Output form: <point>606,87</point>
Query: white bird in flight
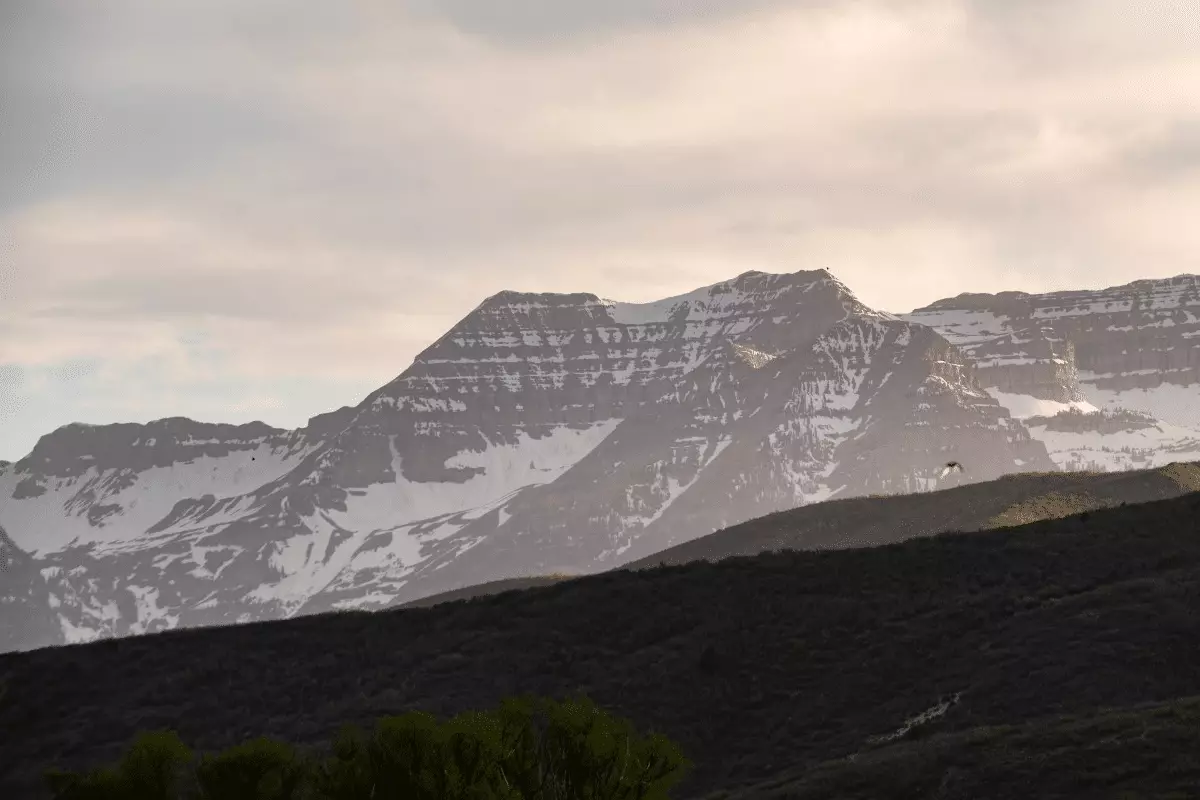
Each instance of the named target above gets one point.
<point>951,466</point>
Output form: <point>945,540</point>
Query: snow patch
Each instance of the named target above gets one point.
<point>506,468</point>
<point>1178,405</point>
<point>58,517</point>
<point>148,610</point>
<point>1022,406</point>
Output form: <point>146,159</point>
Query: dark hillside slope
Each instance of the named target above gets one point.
<point>1099,754</point>
<point>491,587</point>
<point>884,519</point>
<point>871,521</point>
<point>758,667</point>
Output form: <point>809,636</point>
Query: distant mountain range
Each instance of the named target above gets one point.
<point>567,433</point>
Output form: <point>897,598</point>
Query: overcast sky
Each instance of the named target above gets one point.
<point>263,209</point>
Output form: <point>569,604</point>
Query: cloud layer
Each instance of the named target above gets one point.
<point>231,210</point>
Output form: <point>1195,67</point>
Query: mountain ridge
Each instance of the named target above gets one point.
<point>554,432</point>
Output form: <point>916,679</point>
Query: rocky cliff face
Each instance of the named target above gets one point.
<point>542,433</point>
<point>1121,364</point>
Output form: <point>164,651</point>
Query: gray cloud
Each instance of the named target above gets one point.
<point>125,140</point>
<point>338,185</point>
<point>344,290</point>
<point>1172,155</point>
<point>540,21</point>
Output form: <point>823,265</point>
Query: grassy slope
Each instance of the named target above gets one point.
<point>759,667</point>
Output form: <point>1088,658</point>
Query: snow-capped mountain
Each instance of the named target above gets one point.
<point>542,433</point>
<point>1106,379</point>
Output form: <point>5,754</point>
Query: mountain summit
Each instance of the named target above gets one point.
<point>541,433</point>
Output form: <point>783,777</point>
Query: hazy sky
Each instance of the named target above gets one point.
<point>241,209</point>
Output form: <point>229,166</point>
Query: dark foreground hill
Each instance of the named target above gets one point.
<point>491,587</point>
<point>781,675</point>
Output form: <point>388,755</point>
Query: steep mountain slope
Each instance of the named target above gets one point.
<point>92,502</point>
<point>746,396</point>
<point>1121,365</point>
<point>541,433</point>
<point>769,668</point>
<point>108,484</point>
<point>848,416</point>
<point>27,617</point>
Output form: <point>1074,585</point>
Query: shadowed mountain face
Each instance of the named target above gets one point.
<point>542,433</point>
<point>810,668</point>
<point>27,617</point>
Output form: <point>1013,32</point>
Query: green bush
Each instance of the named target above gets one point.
<point>260,769</point>
<point>527,749</point>
<point>153,768</point>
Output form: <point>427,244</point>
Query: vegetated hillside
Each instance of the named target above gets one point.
<point>1080,755</point>
<point>761,668</point>
<point>491,587</point>
<point>871,521</point>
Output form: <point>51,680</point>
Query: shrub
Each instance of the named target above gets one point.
<point>152,769</point>
<point>527,749</point>
<point>261,769</point>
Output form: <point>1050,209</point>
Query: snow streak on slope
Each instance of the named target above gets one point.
<point>150,617</point>
<point>306,563</point>
<point>756,359</point>
<point>821,415</point>
<point>505,468</point>
<point>390,529</point>
<point>115,506</point>
<point>665,489</point>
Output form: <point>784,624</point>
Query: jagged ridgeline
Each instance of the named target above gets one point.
<point>568,433</point>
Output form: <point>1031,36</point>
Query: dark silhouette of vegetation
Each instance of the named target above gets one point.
<point>789,667</point>
<point>527,749</point>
